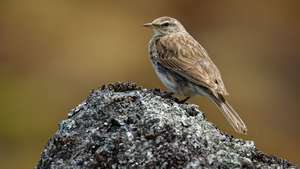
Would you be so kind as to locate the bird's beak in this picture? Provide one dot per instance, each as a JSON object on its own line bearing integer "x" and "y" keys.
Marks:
{"x": 147, "y": 25}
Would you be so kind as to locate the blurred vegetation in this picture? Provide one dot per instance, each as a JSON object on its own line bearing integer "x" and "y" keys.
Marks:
{"x": 52, "y": 53}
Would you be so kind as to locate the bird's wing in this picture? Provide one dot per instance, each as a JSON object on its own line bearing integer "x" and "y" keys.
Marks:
{"x": 182, "y": 54}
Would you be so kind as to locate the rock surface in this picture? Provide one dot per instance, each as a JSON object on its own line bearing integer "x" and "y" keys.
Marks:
{"x": 124, "y": 126}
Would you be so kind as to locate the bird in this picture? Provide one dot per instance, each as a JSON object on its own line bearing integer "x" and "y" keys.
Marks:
{"x": 185, "y": 68}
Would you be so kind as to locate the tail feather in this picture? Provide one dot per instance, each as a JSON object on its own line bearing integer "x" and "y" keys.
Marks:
{"x": 230, "y": 114}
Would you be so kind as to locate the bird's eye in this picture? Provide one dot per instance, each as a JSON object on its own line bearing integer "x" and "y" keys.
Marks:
{"x": 165, "y": 24}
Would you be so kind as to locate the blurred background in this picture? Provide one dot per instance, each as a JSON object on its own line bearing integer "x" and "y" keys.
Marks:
{"x": 53, "y": 52}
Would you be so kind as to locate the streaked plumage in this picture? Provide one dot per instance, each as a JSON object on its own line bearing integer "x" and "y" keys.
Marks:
{"x": 185, "y": 68}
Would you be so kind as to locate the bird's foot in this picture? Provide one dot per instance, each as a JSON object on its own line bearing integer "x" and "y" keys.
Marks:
{"x": 184, "y": 100}
{"x": 167, "y": 94}
{"x": 163, "y": 94}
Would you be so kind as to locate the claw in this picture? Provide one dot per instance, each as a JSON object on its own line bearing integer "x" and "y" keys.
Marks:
{"x": 167, "y": 94}
{"x": 184, "y": 100}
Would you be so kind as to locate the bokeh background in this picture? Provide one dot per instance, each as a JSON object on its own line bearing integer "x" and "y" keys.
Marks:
{"x": 53, "y": 52}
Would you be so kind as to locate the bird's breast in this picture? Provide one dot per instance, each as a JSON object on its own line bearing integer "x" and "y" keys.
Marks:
{"x": 172, "y": 80}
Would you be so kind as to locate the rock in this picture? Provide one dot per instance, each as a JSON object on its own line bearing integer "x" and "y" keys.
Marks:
{"x": 124, "y": 126}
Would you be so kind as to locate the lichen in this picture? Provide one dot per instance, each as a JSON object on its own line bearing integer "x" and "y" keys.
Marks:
{"x": 124, "y": 126}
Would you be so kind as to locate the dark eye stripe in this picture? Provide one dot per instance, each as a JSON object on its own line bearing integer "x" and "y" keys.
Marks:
{"x": 165, "y": 24}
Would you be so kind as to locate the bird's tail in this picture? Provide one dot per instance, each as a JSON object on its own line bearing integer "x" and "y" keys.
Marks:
{"x": 230, "y": 114}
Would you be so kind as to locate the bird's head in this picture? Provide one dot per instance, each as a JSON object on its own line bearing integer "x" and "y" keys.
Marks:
{"x": 165, "y": 26}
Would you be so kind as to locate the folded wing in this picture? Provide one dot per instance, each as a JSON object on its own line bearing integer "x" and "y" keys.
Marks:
{"x": 182, "y": 54}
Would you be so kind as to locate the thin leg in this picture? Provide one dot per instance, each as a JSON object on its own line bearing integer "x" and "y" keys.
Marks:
{"x": 184, "y": 100}
{"x": 167, "y": 94}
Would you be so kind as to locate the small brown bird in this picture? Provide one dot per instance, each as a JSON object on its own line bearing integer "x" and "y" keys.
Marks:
{"x": 185, "y": 68}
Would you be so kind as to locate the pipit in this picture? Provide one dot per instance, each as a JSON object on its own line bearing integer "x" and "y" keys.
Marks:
{"x": 185, "y": 68}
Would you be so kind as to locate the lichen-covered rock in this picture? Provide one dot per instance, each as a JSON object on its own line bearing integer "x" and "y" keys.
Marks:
{"x": 124, "y": 126}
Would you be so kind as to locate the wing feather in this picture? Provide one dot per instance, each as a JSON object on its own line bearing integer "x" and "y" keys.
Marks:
{"x": 182, "y": 54}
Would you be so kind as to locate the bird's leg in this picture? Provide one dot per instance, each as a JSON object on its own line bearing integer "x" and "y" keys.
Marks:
{"x": 167, "y": 94}
{"x": 184, "y": 100}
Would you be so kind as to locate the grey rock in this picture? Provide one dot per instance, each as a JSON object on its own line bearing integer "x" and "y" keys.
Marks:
{"x": 124, "y": 126}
